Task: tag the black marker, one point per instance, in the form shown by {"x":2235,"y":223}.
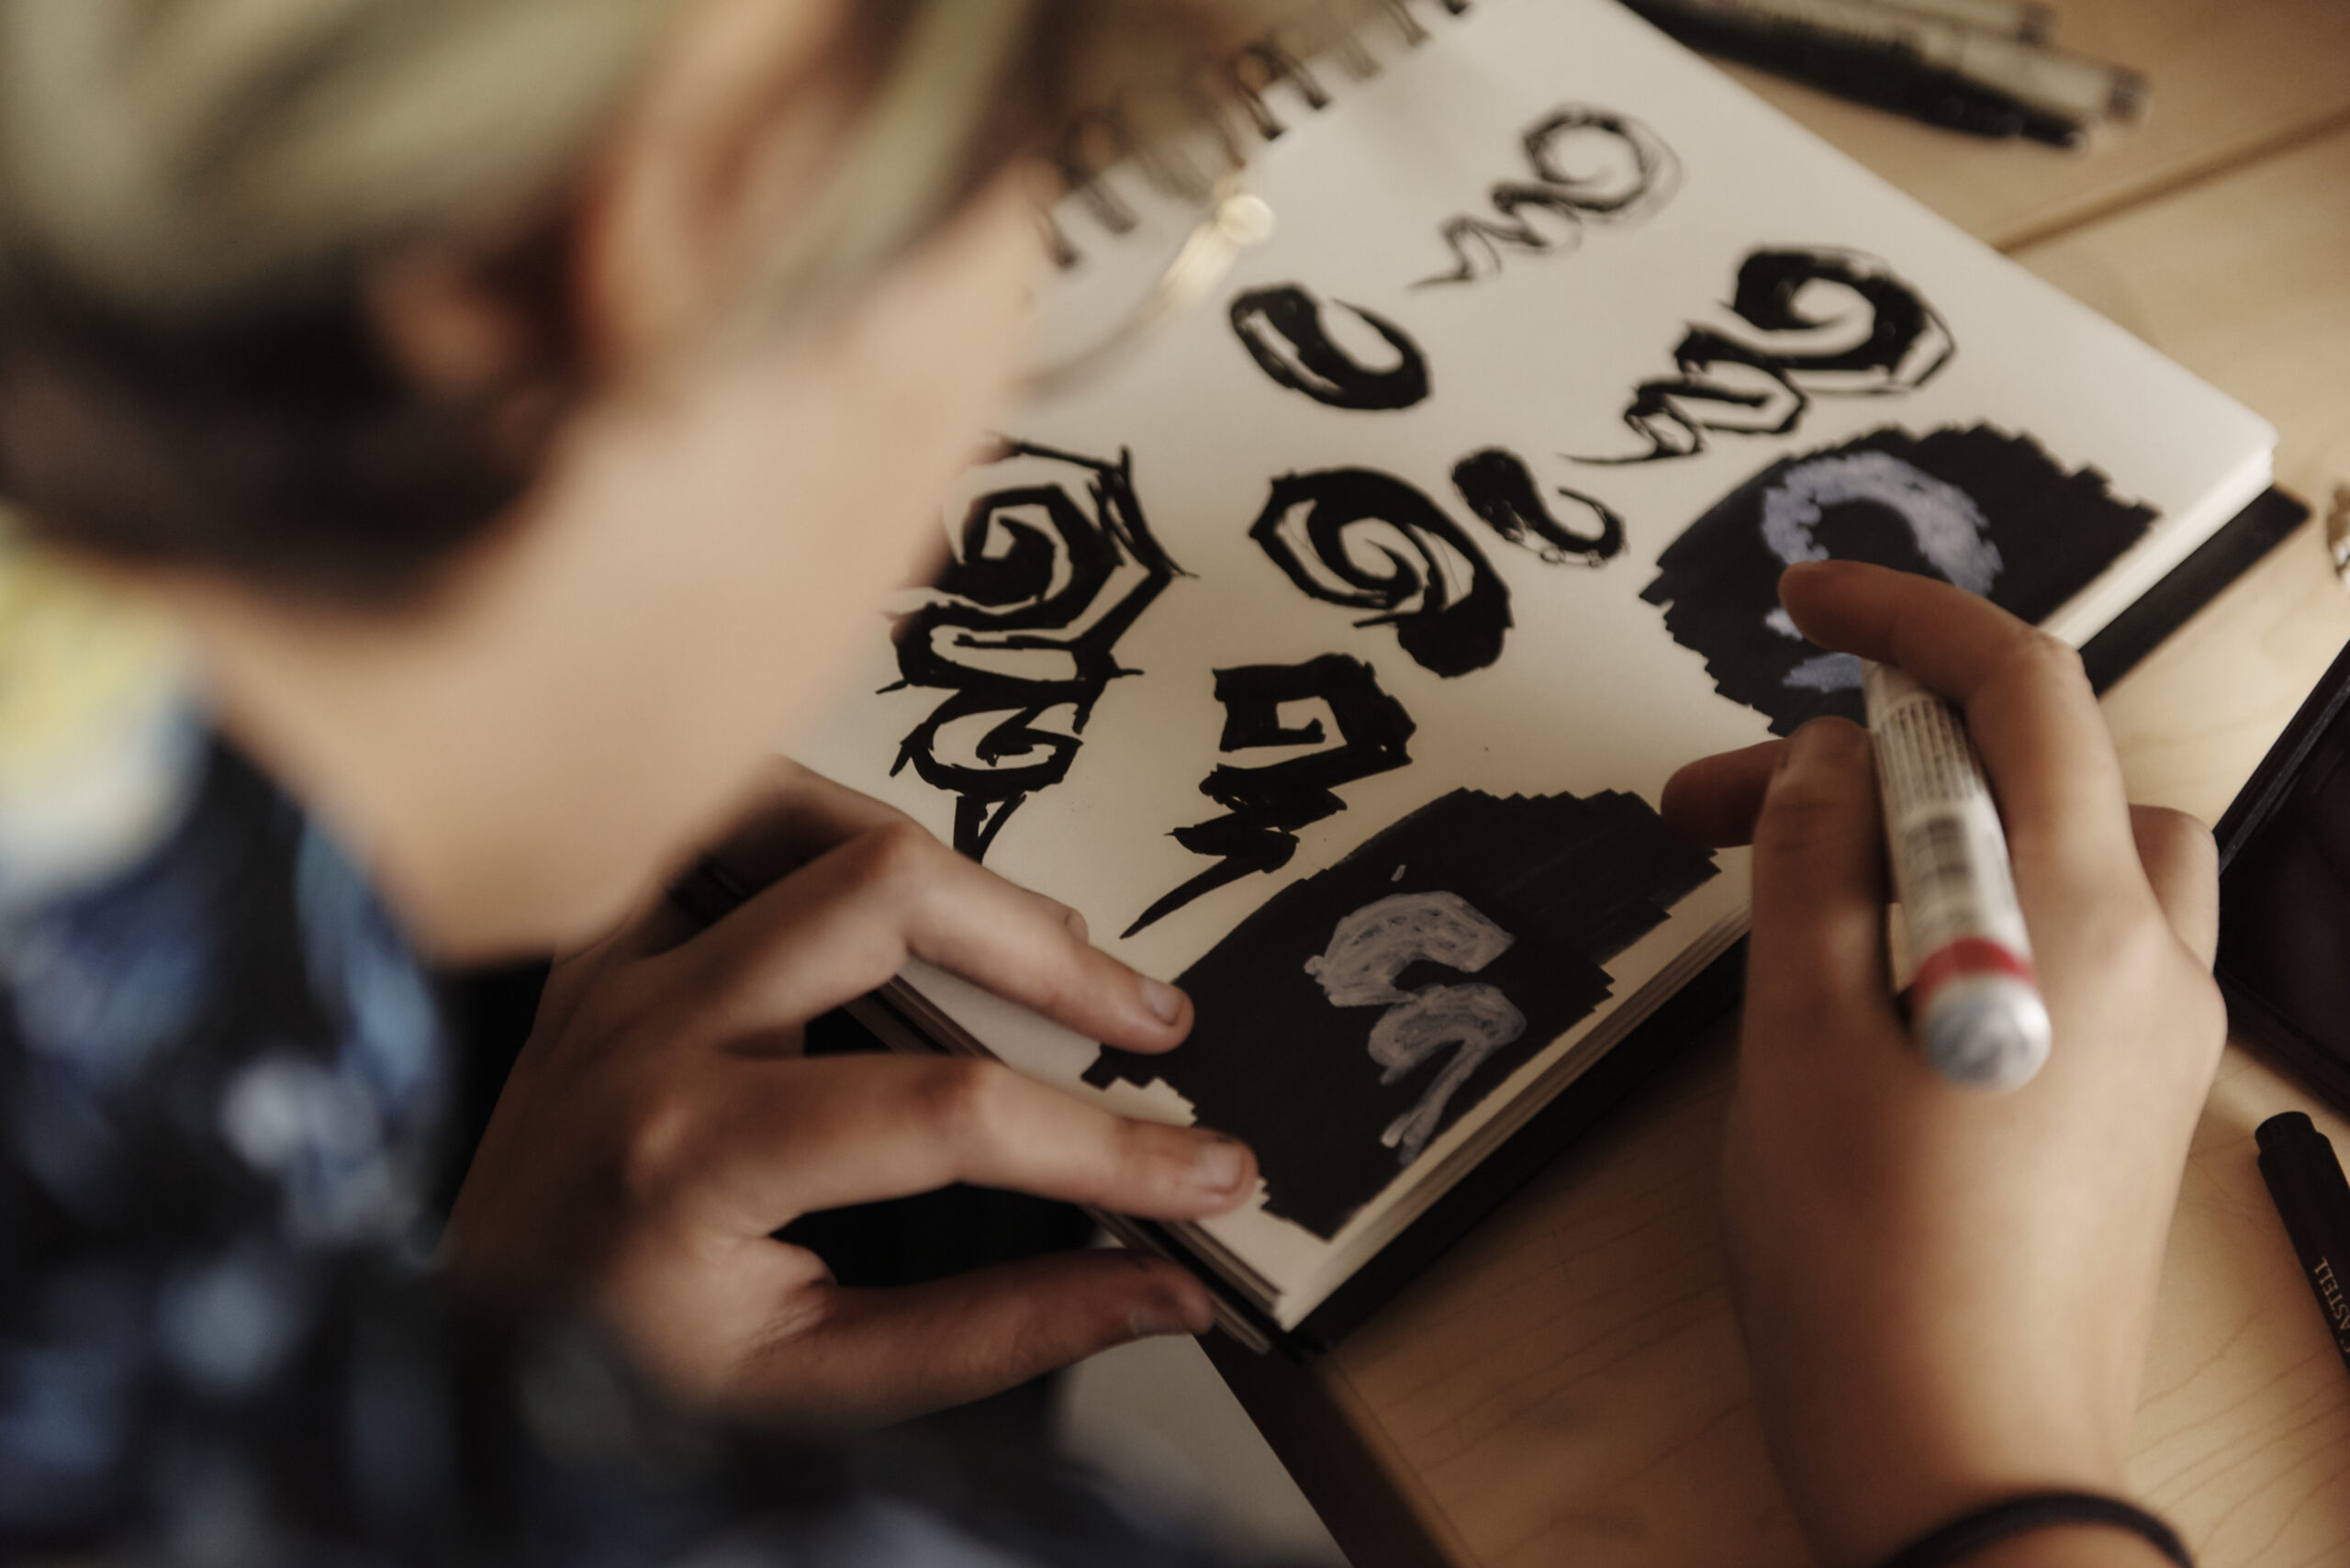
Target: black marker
{"x":2297,"y":1160}
{"x":1885,"y":73}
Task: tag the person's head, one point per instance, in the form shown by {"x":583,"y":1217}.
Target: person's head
{"x":527,"y":404}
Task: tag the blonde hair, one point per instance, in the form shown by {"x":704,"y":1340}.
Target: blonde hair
{"x":191,"y":192}
{"x":169,"y":155}
{"x":172,"y":154}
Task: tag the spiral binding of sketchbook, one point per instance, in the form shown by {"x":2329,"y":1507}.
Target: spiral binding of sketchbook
{"x":1332,"y":648}
{"x":1141,"y":178}
{"x":1228,"y":112}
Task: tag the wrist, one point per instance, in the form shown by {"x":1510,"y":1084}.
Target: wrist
{"x":1874,"y":1510}
{"x":2043,"y":1530}
{"x":2069,"y":1546}
{"x":1868,"y":1475}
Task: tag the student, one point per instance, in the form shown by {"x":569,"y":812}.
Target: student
{"x":499,"y":418}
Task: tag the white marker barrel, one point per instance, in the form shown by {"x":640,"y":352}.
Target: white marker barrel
{"x":1973,"y":994}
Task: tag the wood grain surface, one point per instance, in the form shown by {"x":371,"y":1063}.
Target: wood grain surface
{"x":2232,"y":80}
{"x":1566,"y":1386}
{"x":2244,"y":280}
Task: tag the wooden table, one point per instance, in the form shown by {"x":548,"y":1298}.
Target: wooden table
{"x":1566,"y":1386}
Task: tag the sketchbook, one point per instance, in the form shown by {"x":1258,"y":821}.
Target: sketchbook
{"x":1330,"y":653}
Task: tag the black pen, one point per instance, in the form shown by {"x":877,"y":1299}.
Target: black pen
{"x":1883,"y":74}
{"x":2305,"y":1178}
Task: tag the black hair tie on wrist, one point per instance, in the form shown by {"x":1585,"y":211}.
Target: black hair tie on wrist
{"x":1971,"y":1533}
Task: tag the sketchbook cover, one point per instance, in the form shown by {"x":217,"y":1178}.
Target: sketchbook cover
{"x":1330,"y":654}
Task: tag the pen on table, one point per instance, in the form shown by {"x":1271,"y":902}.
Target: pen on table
{"x":2305,"y":1178}
{"x":1974,"y":1000}
{"x":2009,"y":19}
{"x":1888,"y":53}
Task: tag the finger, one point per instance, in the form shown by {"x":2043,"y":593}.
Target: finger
{"x":2029,"y":706}
{"x":760,"y":1142}
{"x":2183,"y":866}
{"x":877,"y":1356}
{"x":791,"y":816}
{"x":816,"y":815}
{"x":1816,"y":967}
{"x":574,"y":977}
{"x":849,"y":921}
{"x":787,"y":817}
{"x":1713,"y":802}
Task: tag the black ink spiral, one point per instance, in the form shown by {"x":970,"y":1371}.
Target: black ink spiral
{"x":1265,"y":807}
{"x":1825,"y":322}
{"x":1450,"y":609}
{"x":1894,"y":343}
{"x":1498,"y":488}
{"x":1281,"y":329}
{"x":1590,"y":165}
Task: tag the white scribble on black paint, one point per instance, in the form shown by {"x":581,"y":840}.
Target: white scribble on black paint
{"x":1280,"y":326}
{"x":1948,"y":530}
{"x":1266,"y":806}
{"x":1499,"y":488}
{"x":1047,"y":571}
{"x":1573,"y":882}
{"x":1979,"y":507}
{"x":1374,"y":945}
{"x":1369,"y":541}
{"x":1590,"y":165}
{"x":1817,"y":322}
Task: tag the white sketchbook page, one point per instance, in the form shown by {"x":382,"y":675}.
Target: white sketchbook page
{"x":1592,"y":693}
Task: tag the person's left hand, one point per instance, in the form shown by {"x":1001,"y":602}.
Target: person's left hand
{"x":662,"y":1123}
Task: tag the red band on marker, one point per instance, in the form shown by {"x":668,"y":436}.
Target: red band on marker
{"x":1968,"y":955}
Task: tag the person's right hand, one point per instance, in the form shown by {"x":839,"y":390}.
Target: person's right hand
{"x":663,"y":1123}
{"x":1946,"y":1294}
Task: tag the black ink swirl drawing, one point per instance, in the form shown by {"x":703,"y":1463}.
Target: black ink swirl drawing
{"x":1047,"y":571}
{"x":1266,"y":806}
{"x":1991,"y":512}
{"x":1360,"y":1013}
{"x":1590,"y":165}
{"x":1499,"y":488}
{"x":1823,"y":323}
{"x":1369,"y":541}
{"x":1281,"y":329}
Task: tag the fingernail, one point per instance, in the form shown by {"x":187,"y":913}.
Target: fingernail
{"x":1153,"y":1319}
{"x":1218,"y":1164}
{"x":1166,"y":1003}
{"x":1076,"y":923}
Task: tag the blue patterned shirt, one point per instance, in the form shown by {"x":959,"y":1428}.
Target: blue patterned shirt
{"x":225,"y":1106}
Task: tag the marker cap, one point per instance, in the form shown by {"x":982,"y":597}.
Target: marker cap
{"x":1986,"y":1031}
